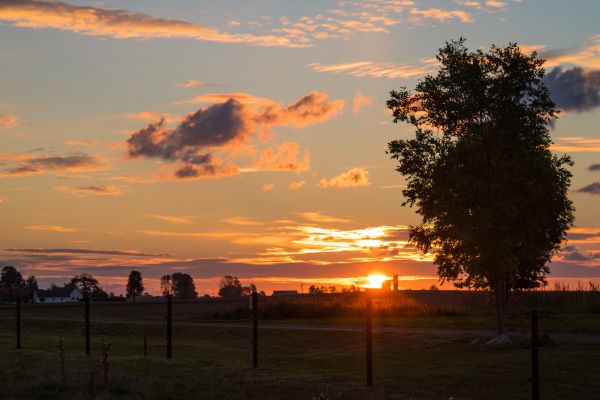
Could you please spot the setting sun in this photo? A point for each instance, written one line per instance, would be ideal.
(376, 280)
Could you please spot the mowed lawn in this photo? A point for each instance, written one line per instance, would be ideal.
(214, 363)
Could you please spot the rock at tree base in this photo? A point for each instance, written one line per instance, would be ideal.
(499, 341)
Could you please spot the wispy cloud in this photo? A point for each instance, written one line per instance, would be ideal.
(267, 187)
(51, 228)
(320, 217)
(359, 101)
(173, 219)
(206, 235)
(594, 167)
(353, 178)
(576, 144)
(92, 190)
(593, 188)
(378, 69)
(585, 56)
(53, 164)
(192, 83)
(120, 24)
(244, 221)
(132, 253)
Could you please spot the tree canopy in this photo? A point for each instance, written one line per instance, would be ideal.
(88, 285)
(178, 284)
(10, 278)
(135, 285)
(230, 287)
(492, 196)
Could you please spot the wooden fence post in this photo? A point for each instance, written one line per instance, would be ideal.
(18, 322)
(87, 324)
(169, 326)
(254, 305)
(145, 346)
(535, 368)
(369, 339)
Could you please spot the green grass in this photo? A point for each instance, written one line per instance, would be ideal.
(213, 363)
(516, 322)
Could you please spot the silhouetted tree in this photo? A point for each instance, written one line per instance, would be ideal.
(31, 282)
(230, 287)
(184, 286)
(351, 289)
(166, 285)
(10, 278)
(135, 285)
(88, 285)
(180, 285)
(492, 196)
(315, 290)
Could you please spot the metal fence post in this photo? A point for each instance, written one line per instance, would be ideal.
(87, 324)
(254, 303)
(369, 339)
(169, 326)
(145, 346)
(535, 368)
(18, 322)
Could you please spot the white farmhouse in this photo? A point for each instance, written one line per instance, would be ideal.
(58, 295)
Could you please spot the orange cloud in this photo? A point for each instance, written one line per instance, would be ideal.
(267, 187)
(119, 24)
(439, 14)
(359, 101)
(224, 128)
(587, 56)
(297, 185)
(154, 116)
(316, 216)
(190, 83)
(8, 121)
(243, 221)
(51, 228)
(352, 178)
(286, 157)
(576, 144)
(243, 98)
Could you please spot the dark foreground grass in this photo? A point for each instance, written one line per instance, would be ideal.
(213, 363)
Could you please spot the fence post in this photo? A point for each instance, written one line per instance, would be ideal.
(145, 346)
(254, 329)
(18, 322)
(87, 323)
(535, 368)
(169, 326)
(369, 339)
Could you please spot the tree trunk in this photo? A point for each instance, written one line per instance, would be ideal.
(500, 295)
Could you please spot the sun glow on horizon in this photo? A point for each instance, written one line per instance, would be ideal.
(376, 281)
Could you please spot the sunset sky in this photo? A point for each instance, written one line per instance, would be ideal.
(248, 137)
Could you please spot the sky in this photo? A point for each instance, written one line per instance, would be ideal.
(248, 138)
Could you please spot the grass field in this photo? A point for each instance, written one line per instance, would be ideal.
(213, 362)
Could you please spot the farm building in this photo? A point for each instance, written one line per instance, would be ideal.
(58, 295)
(285, 293)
